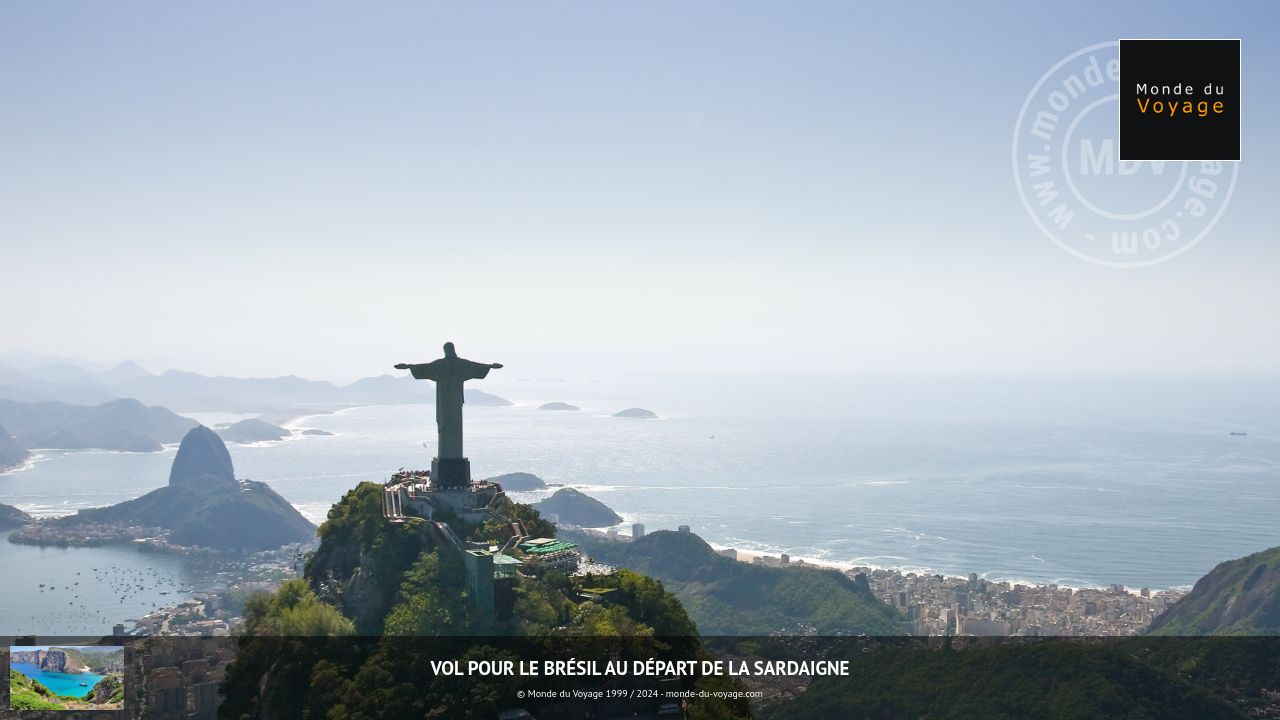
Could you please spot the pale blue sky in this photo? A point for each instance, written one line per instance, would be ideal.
(327, 188)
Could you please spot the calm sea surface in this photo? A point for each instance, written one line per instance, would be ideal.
(1087, 482)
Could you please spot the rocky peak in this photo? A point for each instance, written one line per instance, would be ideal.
(202, 459)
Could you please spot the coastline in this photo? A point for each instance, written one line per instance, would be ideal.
(749, 556)
(29, 462)
(937, 604)
(312, 511)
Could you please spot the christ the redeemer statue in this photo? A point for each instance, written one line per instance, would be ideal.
(450, 468)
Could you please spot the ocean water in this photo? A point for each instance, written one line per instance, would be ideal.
(1083, 482)
(86, 591)
(60, 683)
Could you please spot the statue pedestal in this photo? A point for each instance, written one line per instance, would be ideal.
(450, 472)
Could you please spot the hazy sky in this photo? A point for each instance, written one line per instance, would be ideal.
(574, 188)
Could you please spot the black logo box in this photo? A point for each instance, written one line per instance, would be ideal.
(1185, 67)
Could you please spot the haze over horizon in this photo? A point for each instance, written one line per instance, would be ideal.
(269, 190)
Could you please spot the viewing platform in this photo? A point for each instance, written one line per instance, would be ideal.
(410, 493)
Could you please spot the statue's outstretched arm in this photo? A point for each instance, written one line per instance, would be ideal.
(402, 366)
(495, 366)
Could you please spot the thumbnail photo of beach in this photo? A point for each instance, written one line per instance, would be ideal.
(81, 677)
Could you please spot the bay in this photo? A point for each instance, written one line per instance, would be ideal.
(1086, 482)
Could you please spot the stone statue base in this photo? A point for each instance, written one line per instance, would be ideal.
(450, 472)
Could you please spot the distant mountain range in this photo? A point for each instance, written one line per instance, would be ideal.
(192, 392)
(115, 425)
(69, 406)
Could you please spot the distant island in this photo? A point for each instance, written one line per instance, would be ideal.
(639, 413)
(519, 481)
(577, 508)
(125, 425)
(11, 453)
(204, 506)
(252, 430)
(11, 517)
(64, 382)
(558, 406)
(317, 432)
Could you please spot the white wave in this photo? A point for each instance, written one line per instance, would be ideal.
(27, 464)
(40, 510)
(315, 512)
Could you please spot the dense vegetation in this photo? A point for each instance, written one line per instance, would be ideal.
(362, 558)
(1238, 597)
(499, 532)
(108, 691)
(1204, 678)
(294, 610)
(28, 694)
(727, 597)
(407, 600)
(103, 662)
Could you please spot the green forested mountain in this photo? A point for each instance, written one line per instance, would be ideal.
(1018, 679)
(1238, 597)
(380, 601)
(728, 597)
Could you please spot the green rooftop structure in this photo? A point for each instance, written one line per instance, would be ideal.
(545, 546)
(550, 554)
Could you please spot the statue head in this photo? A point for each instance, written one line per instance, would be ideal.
(449, 351)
